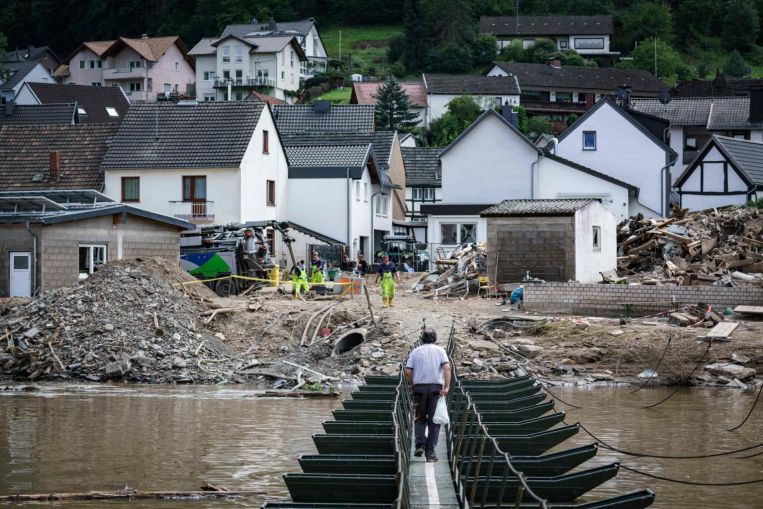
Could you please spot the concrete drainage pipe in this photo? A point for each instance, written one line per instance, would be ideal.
(349, 340)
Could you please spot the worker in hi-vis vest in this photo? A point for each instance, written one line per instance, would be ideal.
(299, 279)
(388, 273)
(316, 269)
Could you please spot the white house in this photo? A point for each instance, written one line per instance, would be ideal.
(19, 73)
(611, 141)
(489, 91)
(230, 67)
(306, 32)
(588, 35)
(492, 161)
(727, 171)
(340, 192)
(175, 159)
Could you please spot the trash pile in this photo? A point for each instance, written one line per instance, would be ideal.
(130, 320)
(456, 274)
(721, 247)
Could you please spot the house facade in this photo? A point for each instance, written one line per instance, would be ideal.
(610, 141)
(306, 33)
(423, 185)
(95, 105)
(174, 159)
(145, 69)
(365, 92)
(588, 35)
(489, 91)
(230, 67)
(556, 92)
(491, 162)
(727, 171)
(19, 73)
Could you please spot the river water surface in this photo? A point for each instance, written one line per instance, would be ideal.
(101, 437)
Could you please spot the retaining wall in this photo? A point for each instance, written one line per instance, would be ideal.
(610, 300)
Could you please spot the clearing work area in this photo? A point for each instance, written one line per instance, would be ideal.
(147, 321)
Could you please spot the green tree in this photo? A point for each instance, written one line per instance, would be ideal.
(450, 59)
(417, 41)
(3, 45)
(695, 20)
(393, 108)
(514, 52)
(735, 65)
(643, 20)
(662, 59)
(450, 21)
(540, 51)
(740, 25)
(484, 49)
(537, 126)
(462, 112)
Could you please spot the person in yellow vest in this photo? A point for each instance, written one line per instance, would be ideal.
(388, 273)
(316, 269)
(299, 279)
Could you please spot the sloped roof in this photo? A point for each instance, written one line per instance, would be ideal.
(19, 71)
(508, 208)
(364, 92)
(93, 100)
(97, 47)
(455, 84)
(168, 135)
(479, 119)
(28, 54)
(265, 44)
(547, 25)
(259, 96)
(34, 114)
(720, 86)
(301, 27)
(719, 113)
(150, 48)
(422, 166)
(333, 156)
(746, 155)
(25, 152)
(381, 140)
(297, 118)
(204, 47)
(544, 76)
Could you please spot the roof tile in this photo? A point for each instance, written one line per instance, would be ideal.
(365, 92)
(422, 166)
(94, 100)
(33, 114)
(293, 118)
(547, 25)
(455, 84)
(536, 208)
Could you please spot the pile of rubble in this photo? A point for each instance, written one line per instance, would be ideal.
(722, 247)
(455, 275)
(130, 320)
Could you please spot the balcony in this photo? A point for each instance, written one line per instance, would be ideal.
(196, 211)
(244, 83)
(124, 73)
(563, 107)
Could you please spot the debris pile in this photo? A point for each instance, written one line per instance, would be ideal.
(130, 320)
(721, 247)
(456, 274)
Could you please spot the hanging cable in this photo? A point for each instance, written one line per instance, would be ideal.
(560, 399)
(749, 413)
(654, 371)
(709, 344)
(692, 483)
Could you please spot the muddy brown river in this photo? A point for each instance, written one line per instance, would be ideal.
(81, 438)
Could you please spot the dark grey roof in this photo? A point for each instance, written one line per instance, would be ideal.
(536, 208)
(93, 100)
(745, 155)
(422, 166)
(601, 79)
(715, 114)
(315, 234)
(19, 71)
(479, 119)
(546, 25)
(293, 118)
(40, 114)
(168, 135)
(29, 54)
(455, 84)
(452, 209)
(301, 27)
(720, 86)
(329, 156)
(381, 140)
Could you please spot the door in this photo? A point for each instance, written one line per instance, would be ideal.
(21, 274)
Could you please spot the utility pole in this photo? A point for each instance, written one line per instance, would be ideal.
(340, 44)
(655, 57)
(516, 16)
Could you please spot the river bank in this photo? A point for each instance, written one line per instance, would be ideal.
(146, 321)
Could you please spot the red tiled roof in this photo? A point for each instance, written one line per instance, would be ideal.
(364, 92)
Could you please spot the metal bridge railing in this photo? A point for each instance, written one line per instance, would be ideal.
(402, 423)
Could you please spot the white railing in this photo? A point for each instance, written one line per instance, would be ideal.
(196, 211)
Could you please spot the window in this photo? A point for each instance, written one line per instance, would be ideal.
(130, 189)
(563, 44)
(177, 66)
(91, 257)
(589, 43)
(291, 58)
(226, 54)
(283, 75)
(498, 103)
(112, 112)
(177, 88)
(458, 233)
(91, 64)
(135, 86)
(81, 64)
(382, 205)
(195, 188)
(135, 64)
(468, 233)
(357, 190)
(167, 88)
(690, 143)
(449, 233)
(597, 238)
(226, 75)
(365, 192)
(209, 75)
(209, 97)
(271, 192)
(81, 111)
(423, 193)
(265, 142)
(564, 97)
(429, 194)
(239, 52)
(239, 96)
(95, 83)
(239, 75)
(589, 140)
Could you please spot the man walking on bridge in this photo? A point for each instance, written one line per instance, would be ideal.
(428, 370)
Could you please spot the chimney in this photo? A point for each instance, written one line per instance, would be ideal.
(144, 36)
(756, 105)
(272, 24)
(509, 114)
(555, 62)
(10, 107)
(55, 166)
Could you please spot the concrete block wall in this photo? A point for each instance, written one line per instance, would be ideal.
(141, 237)
(610, 300)
(543, 245)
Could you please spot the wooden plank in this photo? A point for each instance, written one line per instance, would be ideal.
(722, 330)
(749, 310)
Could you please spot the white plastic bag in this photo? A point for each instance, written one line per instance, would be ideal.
(441, 413)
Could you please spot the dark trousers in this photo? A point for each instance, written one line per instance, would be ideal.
(425, 398)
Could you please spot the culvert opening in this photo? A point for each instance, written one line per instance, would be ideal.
(349, 340)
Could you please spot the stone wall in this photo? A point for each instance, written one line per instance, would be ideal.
(543, 245)
(611, 300)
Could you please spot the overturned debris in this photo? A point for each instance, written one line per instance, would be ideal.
(456, 274)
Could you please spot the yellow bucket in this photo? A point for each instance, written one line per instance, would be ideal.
(275, 274)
